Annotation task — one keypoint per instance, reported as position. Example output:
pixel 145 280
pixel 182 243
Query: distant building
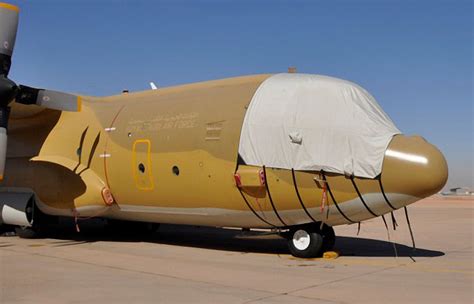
pixel 459 191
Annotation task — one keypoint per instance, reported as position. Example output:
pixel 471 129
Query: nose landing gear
pixel 310 241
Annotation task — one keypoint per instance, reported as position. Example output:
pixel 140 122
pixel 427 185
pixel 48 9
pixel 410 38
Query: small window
pixel 141 168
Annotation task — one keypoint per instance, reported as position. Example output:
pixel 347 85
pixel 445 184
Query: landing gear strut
pixel 310 241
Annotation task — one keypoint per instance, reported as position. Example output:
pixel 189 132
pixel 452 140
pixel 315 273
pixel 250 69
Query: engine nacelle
pixel 16 208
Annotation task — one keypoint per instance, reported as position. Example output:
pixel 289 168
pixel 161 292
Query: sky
pixel 415 57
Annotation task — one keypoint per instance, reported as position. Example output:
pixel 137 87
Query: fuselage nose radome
pixel 414 168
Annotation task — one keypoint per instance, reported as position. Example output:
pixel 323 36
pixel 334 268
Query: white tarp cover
pixel 313 122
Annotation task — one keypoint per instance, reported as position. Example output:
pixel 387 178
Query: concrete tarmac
pixel 182 264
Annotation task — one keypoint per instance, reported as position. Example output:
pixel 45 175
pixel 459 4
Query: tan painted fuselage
pixel 170 155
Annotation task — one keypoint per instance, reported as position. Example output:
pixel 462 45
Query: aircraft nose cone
pixel 412 166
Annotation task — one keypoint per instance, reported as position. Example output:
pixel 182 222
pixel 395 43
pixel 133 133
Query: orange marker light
pixel 107 196
pixel 238 180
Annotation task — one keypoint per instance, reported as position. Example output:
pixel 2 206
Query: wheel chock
pixel 331 255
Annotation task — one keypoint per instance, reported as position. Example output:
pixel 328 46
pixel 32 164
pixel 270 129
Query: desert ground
pixel 182 264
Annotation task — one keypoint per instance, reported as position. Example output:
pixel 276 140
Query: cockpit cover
pixel 313 122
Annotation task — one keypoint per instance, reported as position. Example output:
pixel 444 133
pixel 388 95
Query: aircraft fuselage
pixel 171 156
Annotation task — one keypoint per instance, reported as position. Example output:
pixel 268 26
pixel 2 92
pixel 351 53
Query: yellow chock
pixel 331 255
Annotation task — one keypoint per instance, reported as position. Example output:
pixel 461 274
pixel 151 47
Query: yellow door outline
pixel 150 184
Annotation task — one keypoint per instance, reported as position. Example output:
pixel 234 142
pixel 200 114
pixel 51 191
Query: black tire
pixel 305 242
pixel 28 232
pixel 6 230
pixel 329 238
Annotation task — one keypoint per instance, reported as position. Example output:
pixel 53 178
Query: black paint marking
pixel 79 150
pixel 91 155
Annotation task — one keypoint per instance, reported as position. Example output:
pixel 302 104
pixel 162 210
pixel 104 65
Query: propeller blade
pixel 8 28
pixel 59 101
pixel 9 91
pixel 49 99
pixel 3 151
pixel 4 113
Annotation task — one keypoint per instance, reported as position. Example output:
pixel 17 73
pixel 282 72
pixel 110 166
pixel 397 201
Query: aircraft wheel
pixel 304 242
pixel 329 238
pixel 28 232
pixel 6 229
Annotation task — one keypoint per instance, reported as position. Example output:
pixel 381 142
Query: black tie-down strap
pixel 388 235
pixel 334 200
pixel 361 198
pixel 409 227
pixel 379 178
pixel 248 204
pixel 300 199
pixel 394 221
pixel 267 187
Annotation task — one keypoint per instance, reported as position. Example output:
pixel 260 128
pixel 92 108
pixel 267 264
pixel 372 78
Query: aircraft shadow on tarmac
pixel 232 240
